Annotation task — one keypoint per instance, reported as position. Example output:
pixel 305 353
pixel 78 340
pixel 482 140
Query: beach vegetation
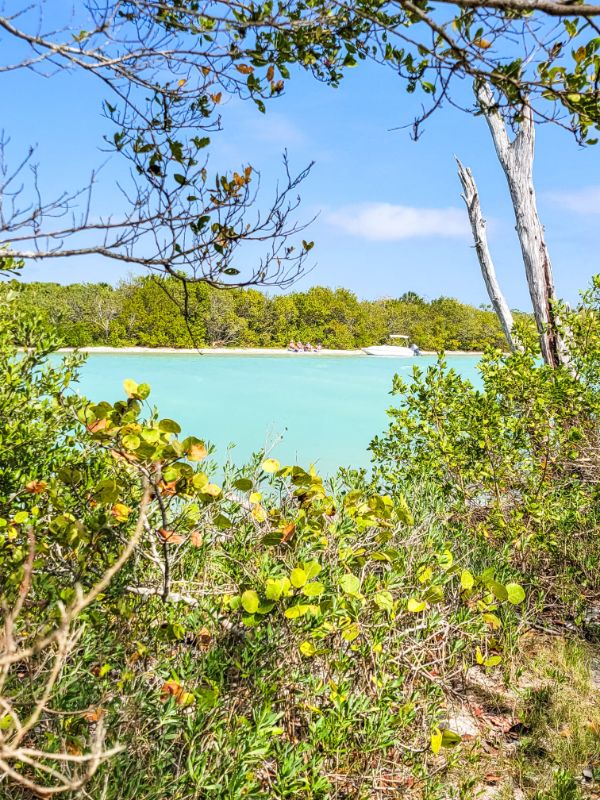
pixel 163 313
pixel 263 631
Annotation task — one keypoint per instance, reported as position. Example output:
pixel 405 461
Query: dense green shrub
pixel 159 313
pixel 276 635
pixel 517 460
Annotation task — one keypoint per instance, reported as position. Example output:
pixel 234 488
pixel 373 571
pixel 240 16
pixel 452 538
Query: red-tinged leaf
pixel 170 689
pixel 245 69
pixel 196 539
pixel 97 425
pixel 204 638
pixel 170 537
pixel 94 715
pixel 288 532
pixel 197 452
pixel 36 487
pixel 493 779
pixel 168 488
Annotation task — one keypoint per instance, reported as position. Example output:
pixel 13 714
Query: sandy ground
pixel 237 351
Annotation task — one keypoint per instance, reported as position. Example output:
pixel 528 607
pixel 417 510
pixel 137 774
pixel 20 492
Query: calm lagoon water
pixel 322 410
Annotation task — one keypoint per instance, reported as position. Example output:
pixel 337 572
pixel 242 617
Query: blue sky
pixel 390 217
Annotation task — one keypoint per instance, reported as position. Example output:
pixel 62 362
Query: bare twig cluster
pixel 44 656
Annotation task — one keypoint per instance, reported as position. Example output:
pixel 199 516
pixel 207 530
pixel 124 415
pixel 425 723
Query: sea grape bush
pixel 287 623
pixel 516 460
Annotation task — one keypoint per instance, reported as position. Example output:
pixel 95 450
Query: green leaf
pixel 424 574
pixel 351 632
pixel 169 426
pixel 384 600
pixel 313 589
pixel 515 593
pixel 492 661
pixel 450 738
pixel 250 601
pixel 498 590
pixel 467 581
pixel 106 491
pixel 350 584
pixel 404 512
pixel 445 559
pixel 312 569
pixel 270 465
pixel 131 441
pixel 273 588
pixel 307 649
pixel 298 577
pixel 416 606
pixel 293 612
pixel 265 608
pixel 243 484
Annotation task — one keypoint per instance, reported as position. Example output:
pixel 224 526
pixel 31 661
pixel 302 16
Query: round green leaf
pixel 270 465
pixel 467 581
pixel 307 649
pixel 313 589
pixel 250 601
pixel 350 584
pixel 169 426
pixel 298 577
pixel 416 606
pixel 515 593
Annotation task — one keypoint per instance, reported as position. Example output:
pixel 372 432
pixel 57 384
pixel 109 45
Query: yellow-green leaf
pixel 307 649
pixel 350 584
pixel 250 601
pixel 131 387
pixel 436 741
pixel 515 592
pixel 467 581
pixel 415 606
pixel 298 577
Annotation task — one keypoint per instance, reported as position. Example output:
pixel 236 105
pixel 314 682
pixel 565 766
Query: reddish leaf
pixel 196 538
pixel 288 532
pixel 170 537
pixel 97 425
pixel 36 487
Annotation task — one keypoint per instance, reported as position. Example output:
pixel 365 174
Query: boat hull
pixel 388 351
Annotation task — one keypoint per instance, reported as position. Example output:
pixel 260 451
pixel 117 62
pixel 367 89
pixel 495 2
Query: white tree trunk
pixel 471 198
pixel 516 158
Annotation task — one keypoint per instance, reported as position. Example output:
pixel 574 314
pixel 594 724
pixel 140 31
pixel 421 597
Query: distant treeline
pixel 162 313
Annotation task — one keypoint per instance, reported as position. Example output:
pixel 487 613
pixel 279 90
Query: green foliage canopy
pixel 152 313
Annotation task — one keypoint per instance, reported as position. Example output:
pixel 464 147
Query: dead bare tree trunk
pixel 471 198
pixel 516 158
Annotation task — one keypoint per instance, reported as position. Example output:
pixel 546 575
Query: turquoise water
pixel 323 410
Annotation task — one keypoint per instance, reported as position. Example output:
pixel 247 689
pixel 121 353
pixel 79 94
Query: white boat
pixel 391 350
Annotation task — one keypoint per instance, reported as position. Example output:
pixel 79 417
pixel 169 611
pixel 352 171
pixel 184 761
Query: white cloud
pixel 388 222
pixel 580 201
pixel 275 128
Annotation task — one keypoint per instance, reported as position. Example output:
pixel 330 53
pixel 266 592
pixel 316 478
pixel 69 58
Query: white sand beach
pixel 238 351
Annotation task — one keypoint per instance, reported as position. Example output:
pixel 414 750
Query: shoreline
pixel 238 351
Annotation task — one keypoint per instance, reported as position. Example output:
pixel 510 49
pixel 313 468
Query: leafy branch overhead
pixel 168 67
